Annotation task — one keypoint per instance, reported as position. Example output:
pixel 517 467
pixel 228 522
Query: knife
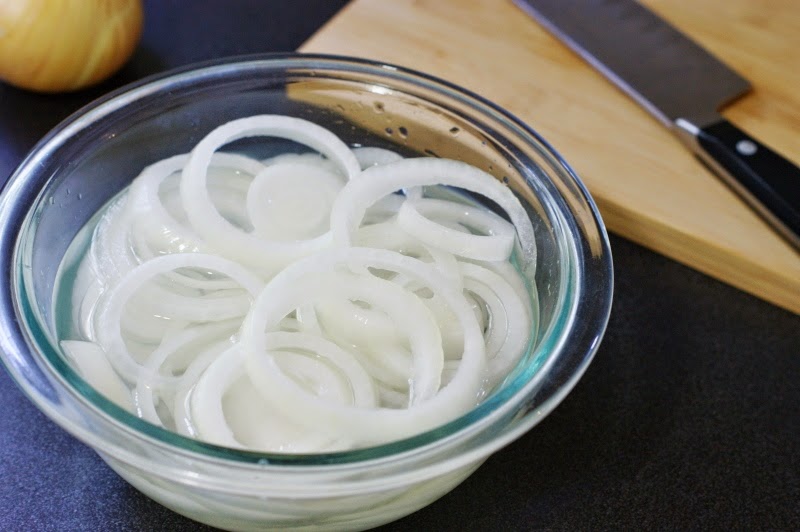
pixel 684 87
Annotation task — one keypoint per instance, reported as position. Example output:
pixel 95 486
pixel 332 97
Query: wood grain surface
pixel 648 186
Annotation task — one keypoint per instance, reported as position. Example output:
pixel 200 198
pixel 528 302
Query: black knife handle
pixel 769 182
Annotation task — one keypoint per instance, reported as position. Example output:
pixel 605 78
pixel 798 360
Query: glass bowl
pixel 93 155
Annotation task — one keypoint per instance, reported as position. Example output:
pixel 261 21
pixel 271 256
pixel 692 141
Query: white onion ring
pixel 494 246
pixel 371 425
pixel 95 369
pixel 363 392
pixel 294 286
pixel 380 181
pixel 508 334
pixel 370 156
pixel 281 210
pixel 109 332
pixel 265 256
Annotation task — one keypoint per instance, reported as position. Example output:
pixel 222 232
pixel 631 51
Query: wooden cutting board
pixel 648 187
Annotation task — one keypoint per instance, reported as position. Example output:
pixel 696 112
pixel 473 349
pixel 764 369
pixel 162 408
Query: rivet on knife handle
pixel 683 86
pixel 763 178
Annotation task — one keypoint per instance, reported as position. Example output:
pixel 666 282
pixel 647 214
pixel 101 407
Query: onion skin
pixel 65 45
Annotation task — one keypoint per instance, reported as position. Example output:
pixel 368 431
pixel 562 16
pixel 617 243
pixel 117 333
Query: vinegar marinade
pixel 310 302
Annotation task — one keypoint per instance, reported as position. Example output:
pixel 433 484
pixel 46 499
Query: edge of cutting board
pixel 647 186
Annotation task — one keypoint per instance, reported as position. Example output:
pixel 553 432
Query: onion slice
pixel 109 330
pixel 266 256
pixel 379 181
pixel 304 279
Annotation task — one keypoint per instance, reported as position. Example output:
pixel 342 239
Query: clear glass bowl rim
pixel 456 433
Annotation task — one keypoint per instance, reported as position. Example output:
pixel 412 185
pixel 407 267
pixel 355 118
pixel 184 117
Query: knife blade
pixel 684 87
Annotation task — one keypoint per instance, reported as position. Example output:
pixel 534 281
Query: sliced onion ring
pixel 379 181
pixel 266 256
pixel 110 318
pixel 372 425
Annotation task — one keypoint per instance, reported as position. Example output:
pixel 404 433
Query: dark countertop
pixel 689 417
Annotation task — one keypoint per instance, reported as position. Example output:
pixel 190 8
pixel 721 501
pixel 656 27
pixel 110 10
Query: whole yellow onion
pixel 65 45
